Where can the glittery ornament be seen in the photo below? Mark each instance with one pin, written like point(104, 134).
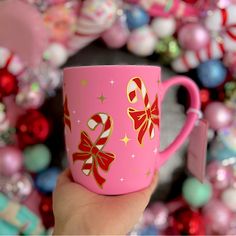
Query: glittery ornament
point(188, 222)
point(32, 128)
point(46, 211)
point(11, 160)
point(168, 49)
point(220, 176)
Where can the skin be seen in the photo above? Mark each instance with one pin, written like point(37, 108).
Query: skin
point(78, 211)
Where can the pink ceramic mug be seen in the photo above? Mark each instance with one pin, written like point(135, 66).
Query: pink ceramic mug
point(112, 125)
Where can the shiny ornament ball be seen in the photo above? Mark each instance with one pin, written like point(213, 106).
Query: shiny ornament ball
point(220, 176)
point(136, 17)
point(218, 115)
point(160, 213)
point(168, 48)
point(32, 128)
point(56, 54)
point(142, 41)
point(30, 96)
point(193, 36)
point(217, 217)
point(228, 197)
point(149, 230)
point(196, 193)
point(47, 211)
point(114, 39)
point(163, 26)
point(46, 180)
point(8, 83)
point(187, 222)
point(11, 160)
point(36, 158)
point(211, 73)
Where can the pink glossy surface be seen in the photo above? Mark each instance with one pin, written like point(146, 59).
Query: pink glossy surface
point(134, 165)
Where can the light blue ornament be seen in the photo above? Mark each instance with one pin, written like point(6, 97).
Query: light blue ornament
point(211, 73)
point(136, 17)
point(46, 180)
point(149, 230)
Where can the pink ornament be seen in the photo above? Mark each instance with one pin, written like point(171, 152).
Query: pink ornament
point(193, 36)
point(218, 115)
point(229, 60)
point(220, 176)
point(117, 35)
point(160, 212)
point(147, 218)
point(33, 202)
point(10, 160)
point(217, 217)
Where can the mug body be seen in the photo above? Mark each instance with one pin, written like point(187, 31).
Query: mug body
point(112, 121)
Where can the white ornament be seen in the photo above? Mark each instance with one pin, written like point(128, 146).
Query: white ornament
point(142, 41)
point(163, 26)
point(56, 54)
point(229, 198)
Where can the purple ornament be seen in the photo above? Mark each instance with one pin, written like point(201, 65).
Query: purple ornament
point(217, 217)
point(218, 115)
point(220, 176)
point(117, 35)
point(193, 36)
point(160, 212)
point(11, 160)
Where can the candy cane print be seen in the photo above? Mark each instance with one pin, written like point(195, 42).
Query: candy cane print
point(144, 119)
point(191, 59)
point(93, 154)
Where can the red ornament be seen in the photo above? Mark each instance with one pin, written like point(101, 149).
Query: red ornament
point(8, 83)
point(32, 128)
point(205, 97)
point(188, 222)
point(191, 1)
point(46, 211)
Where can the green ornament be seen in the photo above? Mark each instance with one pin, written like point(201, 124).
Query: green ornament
point(168, 48)
point(196, 193)
point(37, 158)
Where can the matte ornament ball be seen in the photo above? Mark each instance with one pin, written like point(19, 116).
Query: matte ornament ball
point(196, 193)
point(11, 160)
point(136, 17)
point(37, 158)
point(229, 198)
point(46, 180)
point(218, 115)
point(211, 73)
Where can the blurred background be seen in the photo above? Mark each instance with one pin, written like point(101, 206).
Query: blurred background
point(38, 38)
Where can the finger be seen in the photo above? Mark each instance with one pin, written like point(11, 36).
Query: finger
point(64, 177)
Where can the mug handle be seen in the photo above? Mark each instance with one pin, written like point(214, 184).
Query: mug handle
point(191, 116)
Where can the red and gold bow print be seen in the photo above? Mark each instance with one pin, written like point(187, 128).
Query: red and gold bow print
point(66, 114)
point(92, 154)
point(147, 118)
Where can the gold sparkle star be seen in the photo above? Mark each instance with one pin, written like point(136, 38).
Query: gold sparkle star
point(148, 173)
point(126, 139)
point(83, 82)
point(102, 98)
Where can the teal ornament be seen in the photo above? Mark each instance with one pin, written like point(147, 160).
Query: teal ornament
point(196, 193)
point(36, 158)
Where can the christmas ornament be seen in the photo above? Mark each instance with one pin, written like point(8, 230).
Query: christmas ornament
point(36, 158)
point(10, 160)
point(163, 26)
point(136, 17)
point(46, 211)
point(195, 193)
point(149, 230)
point(229, 198)
point(219, 176)
point(32, 202)
point(114, 40)
point(187, 222)
point(217, 217)
point(211, 73)
point(56, 54)
point(46, 180)
point(32, 128)
point(218, 115)
point(168, 49)
point(142, 41)
point(193, 36)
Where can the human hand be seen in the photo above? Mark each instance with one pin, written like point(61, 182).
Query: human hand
point(79, 211)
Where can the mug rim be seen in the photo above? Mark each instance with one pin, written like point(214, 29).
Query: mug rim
point(109, 66)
